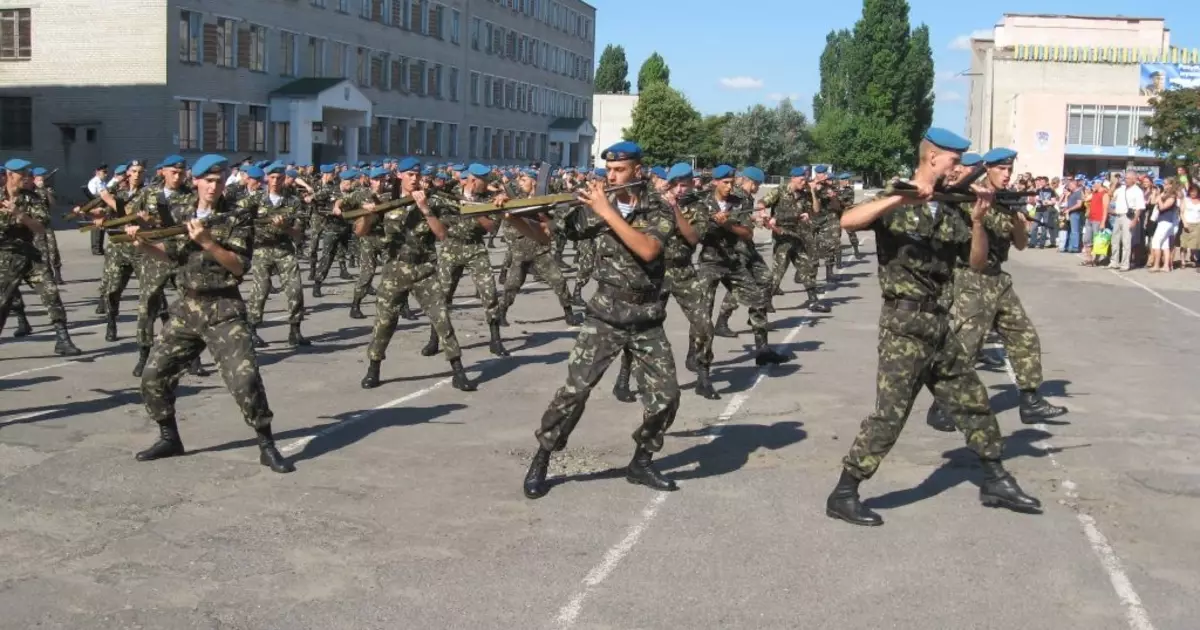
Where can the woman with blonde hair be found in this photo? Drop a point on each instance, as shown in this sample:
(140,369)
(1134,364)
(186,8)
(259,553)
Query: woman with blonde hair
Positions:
(1164,227)
(1190,241)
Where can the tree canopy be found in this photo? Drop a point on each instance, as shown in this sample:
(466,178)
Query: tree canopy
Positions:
(1175,126)
(612,73)
(773,139)
(654,70)
(665,125)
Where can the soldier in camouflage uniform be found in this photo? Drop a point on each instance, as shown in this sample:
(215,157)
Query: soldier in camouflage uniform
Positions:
(279,215)
(324,192)
(793,217)
(985,300)
(22,217)
(723,261)
(335,231)
(846,197)
(47,242)
(918,245)
(120,259)
(827,222)
(210,265)
(630,230)
(369,244)
(410,235)
(527,254)
(752,177)
(585,253)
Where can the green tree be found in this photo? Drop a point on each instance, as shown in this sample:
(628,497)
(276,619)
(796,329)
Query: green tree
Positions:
(709,149)
(772,139)
(665,125)
(1175,126)
(612,73)
(835,80)
(654,70)
(918,99)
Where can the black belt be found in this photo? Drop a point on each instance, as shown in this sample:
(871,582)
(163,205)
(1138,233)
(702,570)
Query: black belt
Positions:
(630,296)
(226,292)
(913,306)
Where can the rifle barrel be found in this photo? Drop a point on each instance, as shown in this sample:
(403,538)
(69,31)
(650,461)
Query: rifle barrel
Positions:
(536,204)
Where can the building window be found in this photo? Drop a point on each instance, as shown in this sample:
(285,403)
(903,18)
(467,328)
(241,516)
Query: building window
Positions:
(416,77)
(341,60)
(485,151)
(416,138)
(1106,125)
(379,72)
(189,125)
(476,25)
(16,41)
(474,88)
(433,81)
(378,125)
(363,67)
(225,127)
(454,84)
(191,28)
(416,15)
(319,3)
(472,142)
(455,19)
(256,48)
(258,130)
(510,95)
(287,54)
(226,42)
(364,8)
(434,141)
(397,133)
(316,57)
(497,93)
(16,123)
(436,11)
(398,75)
(452,140)
(283,137)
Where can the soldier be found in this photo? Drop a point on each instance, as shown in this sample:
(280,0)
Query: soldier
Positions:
(210,313)
(826,223)
(22,217)
(410,235)
(277,230)
(370,243)
(846,196)
(986,299)
(120,260)
(335,233)
(47,241)
(723,261)
(918,245)
(585,254)
(747,187)
(464,249)
(323,193)
(630,229)
(792,213)
(528,254)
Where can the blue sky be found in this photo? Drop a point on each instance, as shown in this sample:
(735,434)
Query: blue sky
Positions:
(728,56)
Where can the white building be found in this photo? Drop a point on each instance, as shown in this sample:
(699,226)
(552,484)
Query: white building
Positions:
(612,114)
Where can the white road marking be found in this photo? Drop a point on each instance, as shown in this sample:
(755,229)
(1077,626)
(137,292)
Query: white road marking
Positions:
(28,416)
(569,614)
(1135,613)
(1156,294)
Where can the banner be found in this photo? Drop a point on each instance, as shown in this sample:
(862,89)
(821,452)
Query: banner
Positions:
(1159,77)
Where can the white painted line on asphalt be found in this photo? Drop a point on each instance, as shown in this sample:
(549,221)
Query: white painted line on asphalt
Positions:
(1156,294)
(299,443)
(569,614)
(1135,613)
(28,416)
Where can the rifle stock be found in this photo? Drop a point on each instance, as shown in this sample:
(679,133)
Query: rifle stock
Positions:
(386,206)
(160,234)
(536,204)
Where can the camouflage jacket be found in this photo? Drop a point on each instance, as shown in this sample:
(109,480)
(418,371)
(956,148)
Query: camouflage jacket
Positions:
(324,199)
(678,251)
(846,197)
(998,225)
(523,247)
(407,236)
(154,201)
(720,245)
(786,206)
(918,247)
(463,230)
(830,207)
(15,237)
(359,197)
(197,270)
(289,206)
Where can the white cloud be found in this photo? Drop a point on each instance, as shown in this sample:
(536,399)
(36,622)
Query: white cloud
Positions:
(741,83)
(963,42)
(949,96)
(779,96)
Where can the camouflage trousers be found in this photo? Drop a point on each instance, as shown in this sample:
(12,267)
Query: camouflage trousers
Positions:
(420,280)
(218,322)
(543,266)
(47,244)
(369,249)
(799,251)
(597,345)
(15,269)
(762,275)
(739,280)
(983,302)
(455,258)
(153,275)
(921,350)
(585,261)
(560,245)
(684,284)
(279,259)
(120,260)
(334,243)
(312,243)
(829,240)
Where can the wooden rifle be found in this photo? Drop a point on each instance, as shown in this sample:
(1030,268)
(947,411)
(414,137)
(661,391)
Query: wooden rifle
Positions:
(1009,202)
(98,202)
(160,234)
(537,203)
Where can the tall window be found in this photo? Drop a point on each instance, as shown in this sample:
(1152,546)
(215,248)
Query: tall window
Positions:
(363,67)
(474,88)
(283,137)
(258,129)
(287,54)
(340,59)
(452,149)
(473,142)
(189,125)
(316,57)
(454,84)
(455,18)
(258,48)
(191,27)
(226,43)
(434,141)
(476,27)
(16,42)
(226,127)
(16,122)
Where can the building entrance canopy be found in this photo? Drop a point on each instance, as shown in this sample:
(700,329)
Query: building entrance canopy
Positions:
(312,108)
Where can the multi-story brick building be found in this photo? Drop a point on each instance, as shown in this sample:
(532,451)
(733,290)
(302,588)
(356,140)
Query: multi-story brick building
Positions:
(502,81)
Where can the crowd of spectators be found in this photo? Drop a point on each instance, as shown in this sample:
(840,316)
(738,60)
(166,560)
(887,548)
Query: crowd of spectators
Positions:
(1120,220)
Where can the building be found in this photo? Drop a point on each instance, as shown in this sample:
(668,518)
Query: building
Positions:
(1071,93)
(612,114)
(499,81)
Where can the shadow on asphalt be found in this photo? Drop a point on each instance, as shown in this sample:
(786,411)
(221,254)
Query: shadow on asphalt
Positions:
(731,450)
(111,399)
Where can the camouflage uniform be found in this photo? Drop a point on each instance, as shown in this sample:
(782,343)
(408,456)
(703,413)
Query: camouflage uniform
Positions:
(525,255)
(828,228)
(21,261)
(369,246)
(323,194)
(120,261)
(846,199)
(275,252)
(153,274)
(335,235)
(47,242)
(464,249)
(795,242)
(758,267)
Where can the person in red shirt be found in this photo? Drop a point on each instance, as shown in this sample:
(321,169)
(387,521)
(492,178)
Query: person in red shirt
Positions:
(1097,212)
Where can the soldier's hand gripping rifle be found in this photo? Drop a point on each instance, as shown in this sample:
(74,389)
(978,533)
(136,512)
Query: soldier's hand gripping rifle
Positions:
(85,211)
(1010,202)
(160,234)
(379,208)
(538,203)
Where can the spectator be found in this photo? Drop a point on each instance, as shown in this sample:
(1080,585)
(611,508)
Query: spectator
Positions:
(1073,207)
(1127,206)
(1190,243)
(1098,202)
(1044,214)
(1165,226)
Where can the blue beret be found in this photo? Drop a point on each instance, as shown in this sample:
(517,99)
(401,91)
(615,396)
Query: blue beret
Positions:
(1080,177)
(254,172)
(291,172)
(349,174)
(971,159)
(846,175)
(478,170)
(39,171)
(999,155)
(722,171)
(171,161)
(120,170)
(428,170)
(682,170)
(754,174)
(622,151)
(946,139)
(376,164)
(16,164)
(800,171)
(659,172)
(208,165)
(409,164)
(378,172)
(362,164)
(273,168)
(328,168)
(1157,182)
(528,172)
(820,168)
(600,172)
(443,176)
(460,167)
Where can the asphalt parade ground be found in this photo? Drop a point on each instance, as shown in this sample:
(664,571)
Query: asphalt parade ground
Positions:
(406,510)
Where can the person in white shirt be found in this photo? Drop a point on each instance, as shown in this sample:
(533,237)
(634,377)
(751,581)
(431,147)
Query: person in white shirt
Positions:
(94,187)
(1125,211)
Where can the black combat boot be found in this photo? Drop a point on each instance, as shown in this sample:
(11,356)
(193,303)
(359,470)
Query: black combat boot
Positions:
(704,386)
(777,292)
(722,329)
(535,486)
(271,288)
(577,296)
(857,254)
(58,279)
(496,345)
(143,354)
(815,304)
(371,290)
(270,456)
(23,327)
(110,329)
(433,345)
(771,305)
(796,277)
(503,276)
(258,342)
(689,363)
(571,317)
(621,388)
(312,269)
(344,273)
(763,354)
(461,381)
(999,489)
(830,276)
(641,470)
(843,503)
(502,316)
(62,341)
(102,306)
(317,290)
(295,338)
(1035,409)
(196,368)
(356,308)
(371,380)
(987,360)
(405,309)
(938,419)
(168,445)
